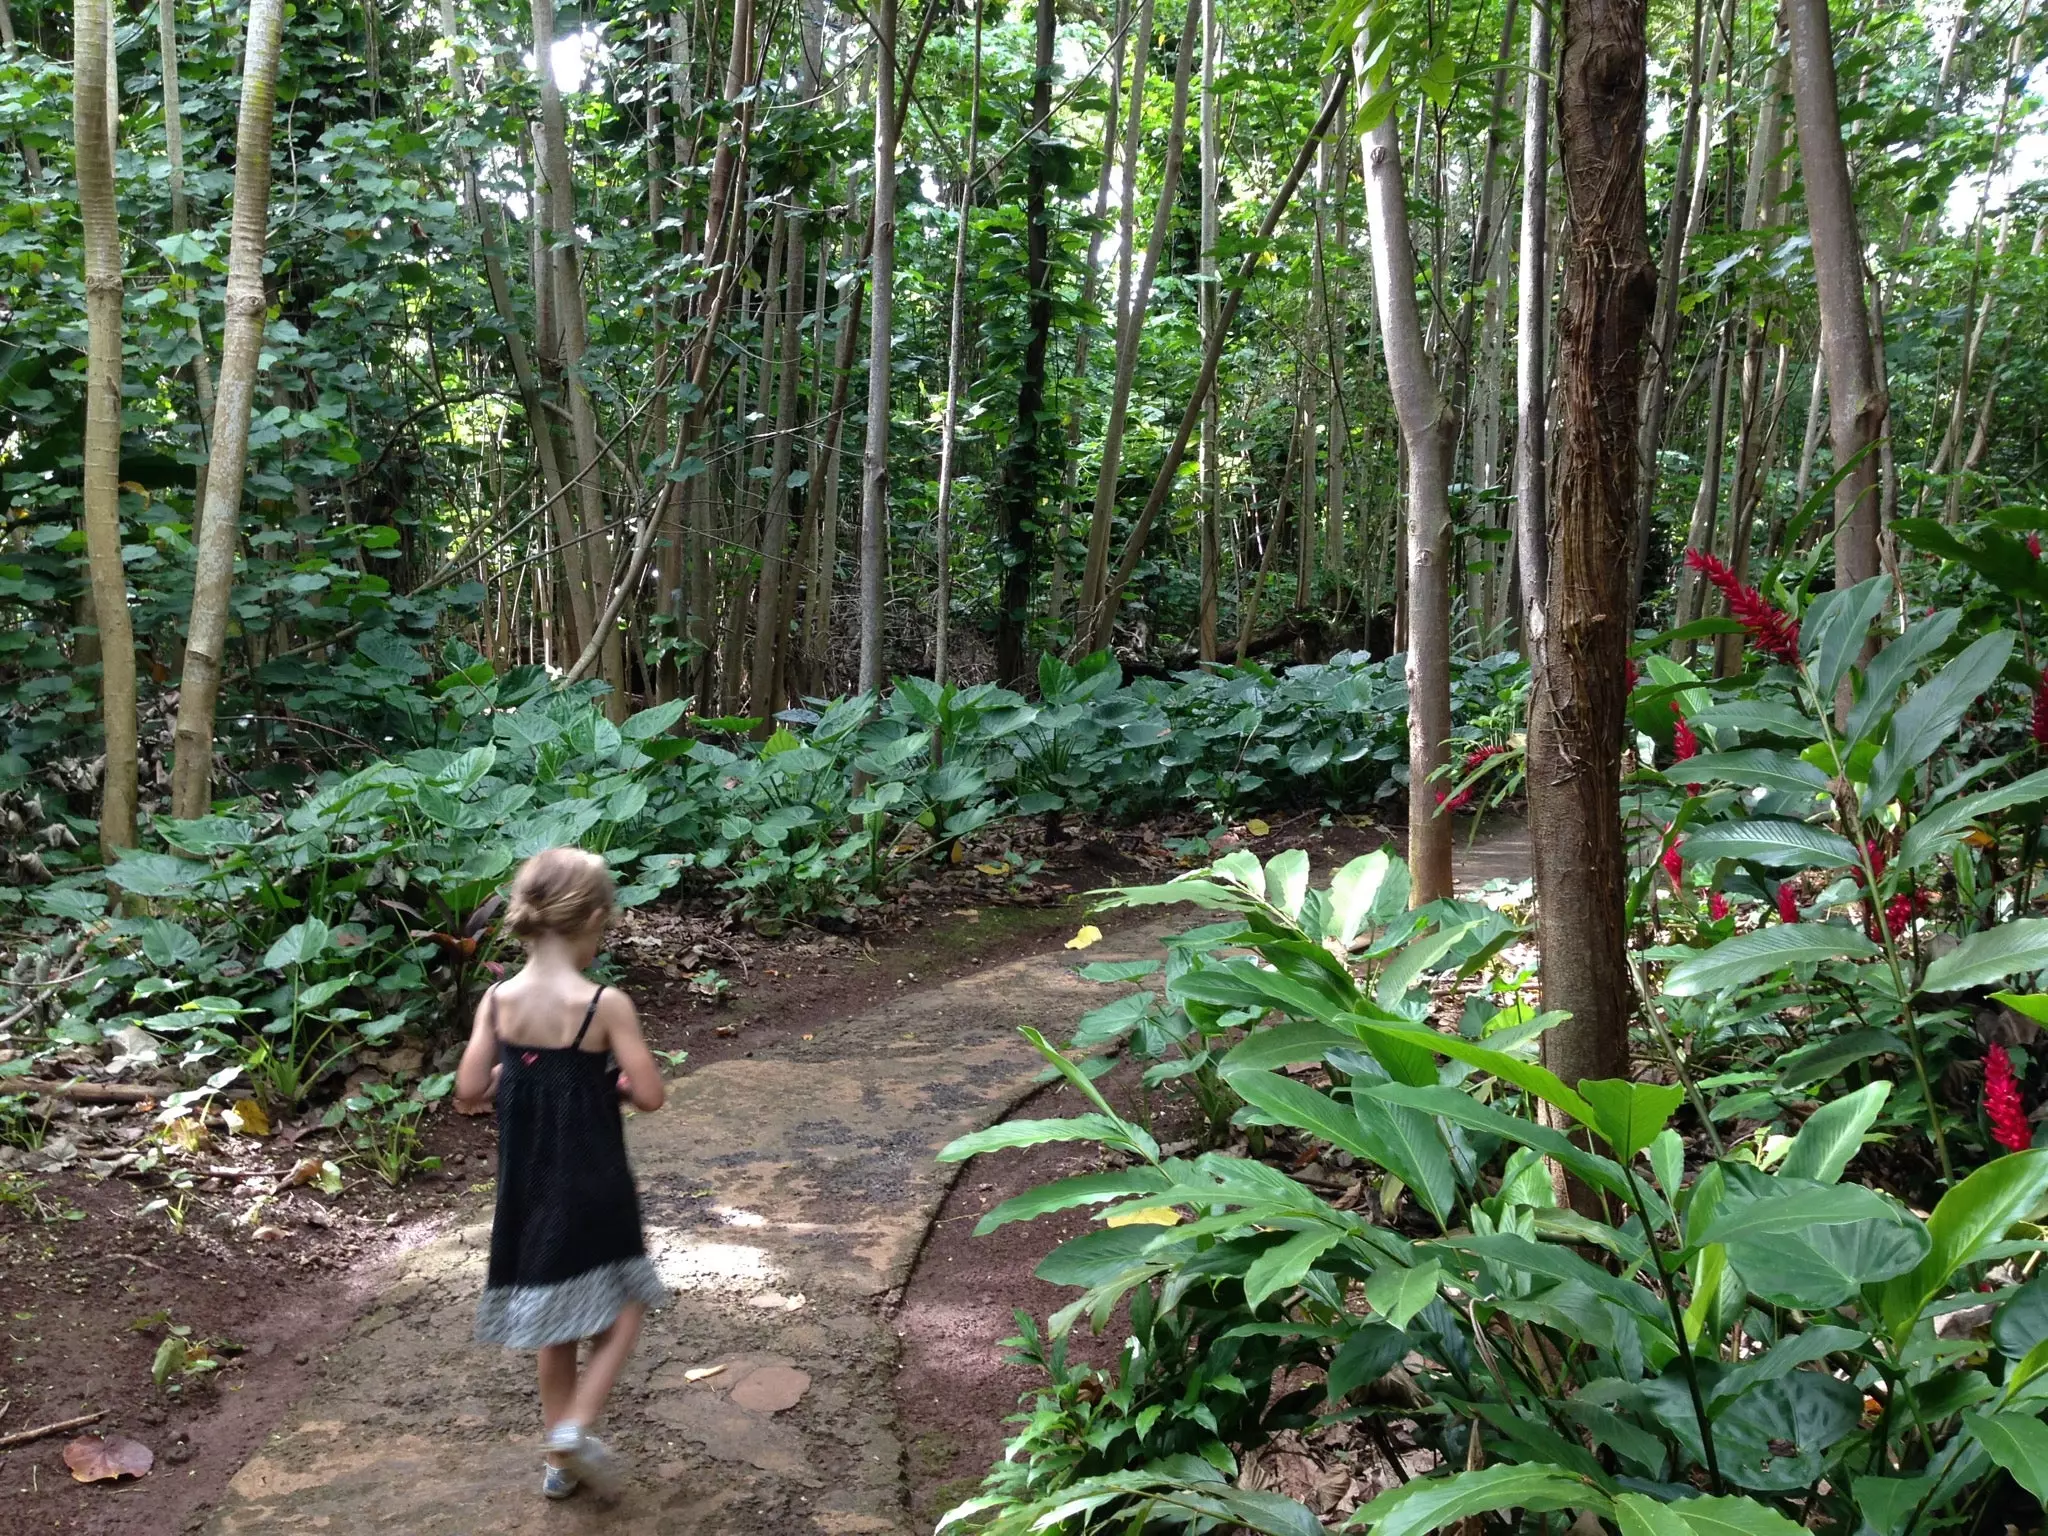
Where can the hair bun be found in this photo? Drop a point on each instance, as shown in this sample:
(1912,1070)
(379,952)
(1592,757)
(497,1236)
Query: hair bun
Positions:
(563,890)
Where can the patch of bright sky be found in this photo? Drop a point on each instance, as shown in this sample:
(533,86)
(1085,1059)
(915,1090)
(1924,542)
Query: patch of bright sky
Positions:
(574,60)
(2026,159)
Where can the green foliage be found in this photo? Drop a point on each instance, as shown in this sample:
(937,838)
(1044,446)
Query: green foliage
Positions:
(1759,1332)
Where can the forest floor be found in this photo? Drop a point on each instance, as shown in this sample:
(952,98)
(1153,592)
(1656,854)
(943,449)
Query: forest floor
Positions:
(822,1322)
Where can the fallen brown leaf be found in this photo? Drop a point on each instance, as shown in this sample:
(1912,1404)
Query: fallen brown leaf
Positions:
(93,1459)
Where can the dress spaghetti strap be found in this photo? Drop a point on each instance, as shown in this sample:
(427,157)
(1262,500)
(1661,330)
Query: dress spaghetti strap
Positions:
(588,1014)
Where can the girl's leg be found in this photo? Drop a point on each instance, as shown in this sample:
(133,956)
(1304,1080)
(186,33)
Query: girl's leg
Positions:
(609,1352)
(557,1385)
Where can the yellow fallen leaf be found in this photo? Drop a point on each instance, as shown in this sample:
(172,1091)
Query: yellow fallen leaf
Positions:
(1256,827)
(958,855)
(245,1117)
(1150,1216)
(993,869)
(1089,934)
(702,1372)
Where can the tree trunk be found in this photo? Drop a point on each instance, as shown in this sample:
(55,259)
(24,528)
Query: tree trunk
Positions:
(1532,370)
(1206,303)
(571,317)
(1856,405)
(1428,432)
(174,157)
(31,162)
(874,495)
(1095,638)
(956,358)
(769,638)
(93,135)
(1024,466)
(1579,630)
(241,345)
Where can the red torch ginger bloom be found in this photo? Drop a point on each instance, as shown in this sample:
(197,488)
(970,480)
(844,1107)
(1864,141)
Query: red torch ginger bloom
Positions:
(1878,859)
(1684,744)
(2034,545)
(2003,1106)
(1674,864)
(1773,631)
(1788,903)
(1899,913)
(2038,729)
(1462,800)
(1635,674)
(1717,905)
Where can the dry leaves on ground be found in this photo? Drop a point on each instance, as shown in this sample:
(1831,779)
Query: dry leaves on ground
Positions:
(97,1458)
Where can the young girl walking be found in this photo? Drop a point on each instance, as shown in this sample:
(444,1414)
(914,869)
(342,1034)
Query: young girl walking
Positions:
(568,1262)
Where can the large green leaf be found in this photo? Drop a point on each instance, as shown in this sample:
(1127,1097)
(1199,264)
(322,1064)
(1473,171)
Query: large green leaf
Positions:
(1753,768)
(1751,956)
(1834,628)
(1429,1504)
(155,874)
(2018,1442)
(1773,843)
(1032,1133)
(1833,1134)
(1304,1109)
(1825,1266)
(1066,1194)
(1282,1267)
(1407,1142)
(1628,1115)
(1800,1210)
(1525,1075)
(1893,665)
(1460,1108)
(1287,1044)
(1362,890)
(1932,711)
(1971,1215)
(2019,947)
(299,944)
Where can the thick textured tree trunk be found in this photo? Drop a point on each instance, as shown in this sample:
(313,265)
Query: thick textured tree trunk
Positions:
(1579,630)
(1856,404)
(213,578)
(93,134)
(1024,467)
(1429,431)
(874,495)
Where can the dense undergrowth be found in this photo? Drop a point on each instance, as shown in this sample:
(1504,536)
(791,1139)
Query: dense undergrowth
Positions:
(279,938)
(1784,1277)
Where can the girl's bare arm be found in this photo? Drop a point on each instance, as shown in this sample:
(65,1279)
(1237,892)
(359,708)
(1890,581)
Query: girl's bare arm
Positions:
(641,1080)
(476,1074)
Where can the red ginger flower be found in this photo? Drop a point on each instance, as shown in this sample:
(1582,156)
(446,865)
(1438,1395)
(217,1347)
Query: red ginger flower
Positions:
(2034,545)
(1683,743)
(2038,729)
(1462,800)
(2002,1103)
(1635,674)
(1788,903)
(1900,911)
(1717,905)
(1773,631)
(1674,864)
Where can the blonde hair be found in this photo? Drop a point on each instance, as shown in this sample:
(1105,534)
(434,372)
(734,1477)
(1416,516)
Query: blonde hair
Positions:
(563,890)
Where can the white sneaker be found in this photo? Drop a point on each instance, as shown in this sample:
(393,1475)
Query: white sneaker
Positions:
(585,1458)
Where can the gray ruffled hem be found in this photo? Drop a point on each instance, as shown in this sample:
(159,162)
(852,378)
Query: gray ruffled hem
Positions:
(531,1316)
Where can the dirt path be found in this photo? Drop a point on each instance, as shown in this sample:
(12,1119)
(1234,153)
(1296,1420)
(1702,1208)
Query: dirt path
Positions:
(788,1195)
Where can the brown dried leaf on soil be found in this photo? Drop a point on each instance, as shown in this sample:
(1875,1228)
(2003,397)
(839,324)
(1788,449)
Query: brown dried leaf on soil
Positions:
(94,1458)
(771,1389)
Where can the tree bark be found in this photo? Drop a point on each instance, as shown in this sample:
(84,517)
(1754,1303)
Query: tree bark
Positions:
(770,638)
(31,162)
(1212,415)
(1856,404)
(174,157)
(1579,634)
(956,358)
(241,346)
(1024,466)
(874,498)
(93,135)
(1428,432)
(1532,372)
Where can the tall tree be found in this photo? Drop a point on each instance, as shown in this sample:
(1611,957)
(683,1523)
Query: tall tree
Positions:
(1579,625)
(1211,534)
(1429,430)
(93,135)
(1856,404)
(248,303)
(874,483)
(1025,466)
(1532,331)
(956,360)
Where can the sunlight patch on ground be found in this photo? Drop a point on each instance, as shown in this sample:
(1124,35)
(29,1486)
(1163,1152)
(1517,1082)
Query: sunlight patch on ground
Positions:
(687,1263)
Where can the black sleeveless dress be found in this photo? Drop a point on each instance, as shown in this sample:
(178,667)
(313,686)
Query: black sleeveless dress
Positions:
(567,1254)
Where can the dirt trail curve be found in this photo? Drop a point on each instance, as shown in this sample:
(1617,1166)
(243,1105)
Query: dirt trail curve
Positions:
(786,1198)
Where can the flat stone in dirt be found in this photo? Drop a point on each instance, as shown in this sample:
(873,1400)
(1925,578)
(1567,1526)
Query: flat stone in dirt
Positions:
(786,1197)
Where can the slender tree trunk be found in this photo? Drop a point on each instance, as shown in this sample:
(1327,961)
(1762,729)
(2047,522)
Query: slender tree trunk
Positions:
(571,316)
(174,157)
(1706,504)
(956,357)
(874,499)
(31,162)
(769,637)
(1532,371)
(93,135)
(1579,630)
(1856,404)
(1212,415)
(1428,431)
(1136,304)
(1169,468)
(241,345)
(1024,467)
